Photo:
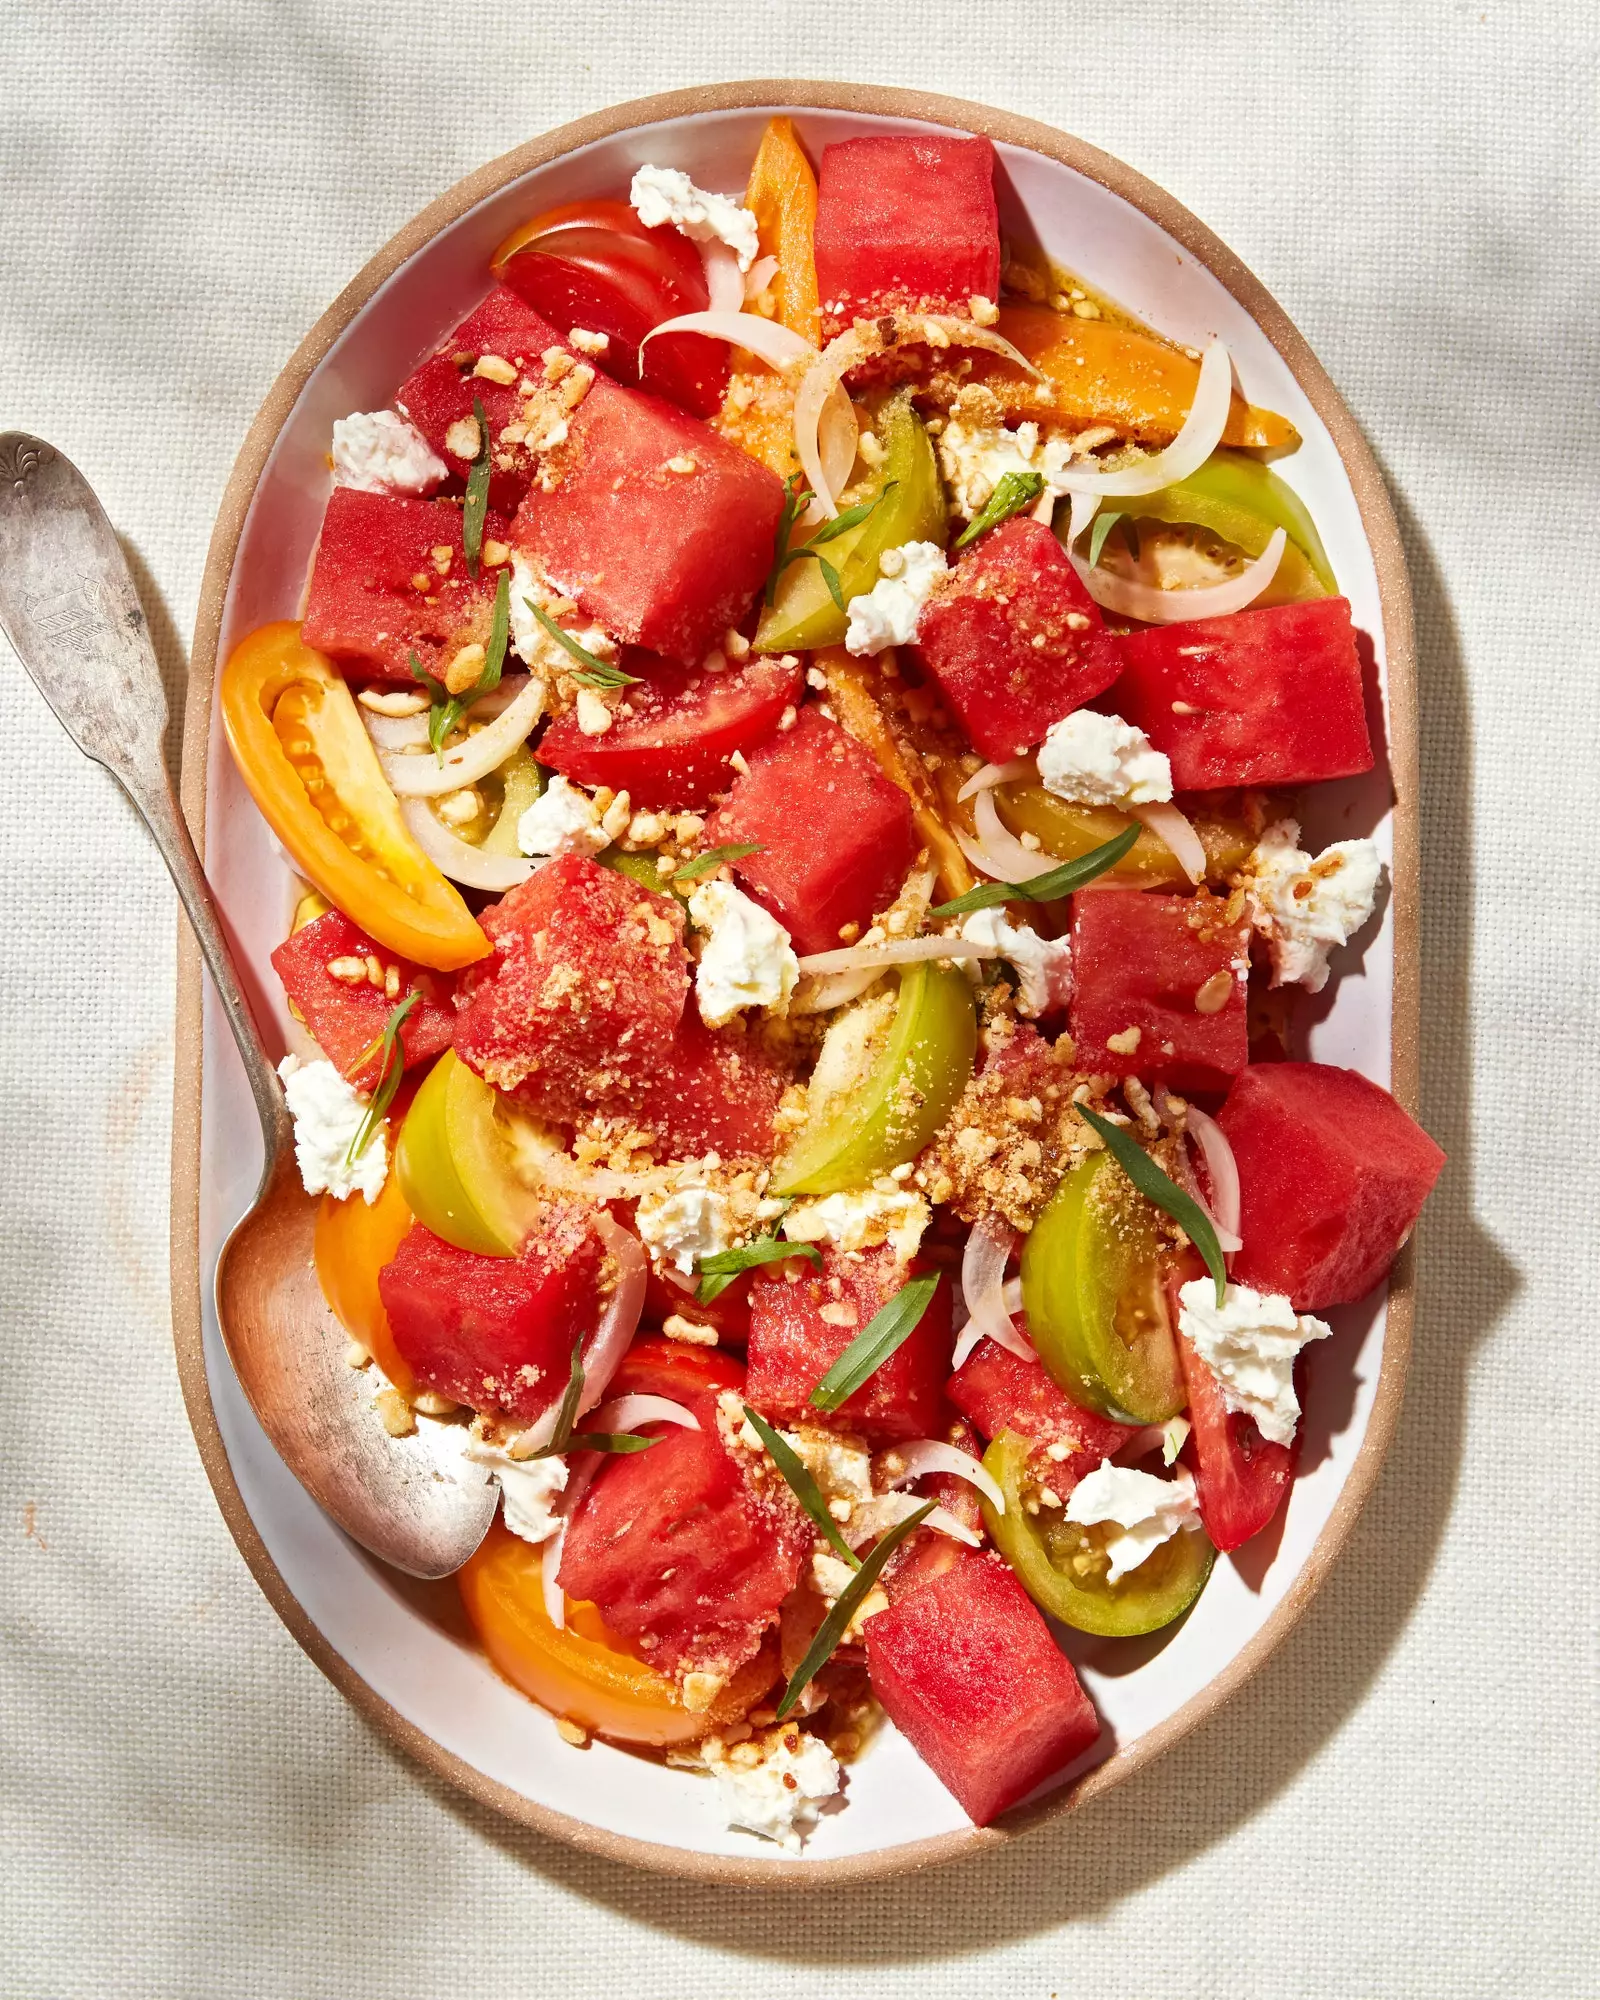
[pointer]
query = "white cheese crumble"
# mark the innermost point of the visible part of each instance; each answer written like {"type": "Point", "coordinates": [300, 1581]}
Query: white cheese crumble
{"type": "Point", "coordinates": [1043, 965]}
{"type": "Point", "coordinates": [682, 1227]}
{"type": "Point", "coordinates": [382, 452]}
{"type": "Point", "coordinates": [528, 1488]}
{"type": "Point", "coordinates": [561, 820]}
{"type": "Point", "coordinates": [860, 1218]}
{"type": "Point", "coordinates": [1149, 1511]}
{"type": "Point", "coordinates": [1249, 1343]}
{"type": "Point", "coordinates": [887, 614]}
{"type": "Point", "coordinates": [747, 959]}
{"type": "Point", "coordinates": [1100, 760]}
{"type": "Point", "coordinates": [531, 643]}
{"type": "Point", "coordinates": [327, 1115]}
{"type": "Point", "coordinates": [1303, 908]}
{"type": "Point", "coordinates": [974, 459]}
{"type": "Point", "coordinates": [773, 1784]}
{"type": "Point", "coordinates": [667, 195]}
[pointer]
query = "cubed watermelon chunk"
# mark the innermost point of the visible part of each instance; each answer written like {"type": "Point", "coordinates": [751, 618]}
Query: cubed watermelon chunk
{"type": "Point", "coordinates": [716, 1090]}
{"type": "Point", "coordinates": [1332, 1177]}
{"type": "Point", "coordinates": [669, 749]}
{"type": "Point", "coordinates": [836, 836]}
{"type": "Point", "coordinates": [379, 593]}
{"type": "Point", "coordinates": [1267, 697]}
{"type": "Point", "coordinates": [1157, 964]}
{"type": "Point", "coordinates": [660, 530]}
{"type": "Point", "coordinates": [905, 223]}
{"type": "Point", "coordinates": [792, 1346]}
{"type": "Point", "coordinates": [578, 1008]}
{"type": "Point", "coordinates": [1015, 641]}
{"type": "Point", "coordinates": [496, 1333]}
{"type": "Point", "coordinates": [1240, 1476]}
{"type": "Point", "coordinates": [999, 1392]}
{"type": "Point", "coordinates": [967, 1670]}
{"type": "Point", "coordinates": [347, 1020]}
{"type": "Point", "coordinates": [686, 1549]}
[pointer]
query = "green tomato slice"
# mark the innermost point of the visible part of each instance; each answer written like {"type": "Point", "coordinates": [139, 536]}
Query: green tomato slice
{"type": "Point", "coordinates": [887, 1077]}
{"type": "Point", "coordinates": [1063, 1566]}
{"type": "Point", "coordinates": [1066, 831]}
{"type": "Point", "coordinates": [643, 868]}
{"type": "Point", "coordinates": [1242, 501]}
{"type": "Point", "coordinates": [803, 615]}
{"type": "Point", "coordinates": [1093, 1291]}
{"type": "Point", "coordinates": [521, 782]}
{"type": "Point", "coordinates": [454, 1162]}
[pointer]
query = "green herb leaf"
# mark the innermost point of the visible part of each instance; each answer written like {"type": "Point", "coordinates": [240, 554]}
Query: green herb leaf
{"type": "Point", "coordinates": [1103, 524]}
{"type": "Point", "coordinates": [801, 1484]}
{"type": "Point", "coordinates": [391, 1067]}
{"type": "Point", "coordinates": [876, 1341]}
{"type": "Point", "coordinates": [799, 498]}
{"type": "Point", "coordinates": [830, 575]}
{"type": "Point", "coordinates": [852, 517]}
{"type": "Point", "coordinates": [703, 864]}
{"type": "Point", "coordinates": [1013, 491]}
{"type": "Point", "coordinates": [477, 508]}
{"type": "Point", "coordinates": [1046, 888]}
{"type": "Point", "coordinates": [796, 499]}
{"type": "Point", "coordinates": [596, 673]}
{"type": "Point", "coordinates": [1156, 1186]}
{"type": "Point", "coordinates": [567, 1415]}
{"type": "Point", "coordinates": [449, 708]}
{"type": "Point", "coordinates": [619, 1442]}
{"type": "Point", "coordinates": [499, 633]}
{"type": "Point", "coordinates": [837, 1623]}
{"type": "Point", "coordinates": [718, 1272]}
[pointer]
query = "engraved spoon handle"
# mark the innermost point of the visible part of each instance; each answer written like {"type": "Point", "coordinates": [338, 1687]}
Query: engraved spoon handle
{"type": "Point", "coordinates": [69, 608]}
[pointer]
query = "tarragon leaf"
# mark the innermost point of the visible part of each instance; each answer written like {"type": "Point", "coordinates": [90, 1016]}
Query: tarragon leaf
{"type": "Point", "coordinates": [391, 1067]}
{"type": "Point", "coordinates": [1165, 1192]}
{"type": "Point", "coordinates": [801, 1484]}
{"type": "Point", "coordinates": [718, 1271]}
{"type": "Point", "coordinates": [477, 508]}
{"type": "Point", "coordinates": [590, 671]}
{"type": "Point", "coordinates": [1013, 491]}
{"type": "Point", "coordinates": [837, 1623]}
{"type": "Point", "coordinates": [1103, 524]}
{"type": "Point", "coordinates": [713, 858]}
{"type": "Point", "coordinates": [876, 1341]}
{"type": "Point", "coordinates": [1046, 888]}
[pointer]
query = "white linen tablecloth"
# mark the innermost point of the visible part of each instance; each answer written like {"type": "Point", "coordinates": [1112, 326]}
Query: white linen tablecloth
{"type": "Point", "coordinates": [1404, 1801]}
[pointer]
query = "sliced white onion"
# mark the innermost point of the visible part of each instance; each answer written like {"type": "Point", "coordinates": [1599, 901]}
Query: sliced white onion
{"type": "Point", "coordinates": [1223, 1170]}
{"type": "Point", "coordinates": [838, 436]}
{"type": "Point", "coordinates": [983, 1273]}
{"type": "Point", "coordinates": [1084, 508]}
{"type": "Point", "coordinates": [724, 279]}
{"type": "Point", "coordinates": [1196, 441]}
{"type": "Point", "coordinates": [1152, 1437]}
{"type": "Point", "coordinates": [1011, 1295]}
{"type": "Point", "coordinates": [473, 757]}
{"type": "Point", "coordinates": [995, 774]}
{"type": "Point", "coordinates": [924, 1455]}
{"type": "Point", "coordinates": [760, 274]}
{"type": "Point", "coordinates": [399, 732]}
{"type": "Point", "coordinates": [1129, 598]}
{"type": "Point", "coordinates": [778, 345]}
{"type": "Point", "coordinates": [899, 951]}
{"type": "Point", "coordinates": [1169, 825]}
{"type": "Point", "coordinates": [943, 1522]}
{"type": "Point", "coordinates": [612, 1337]}
{"type": "Point", "coordinates": [821, 994]}
{"type": "Point", "coordinates": [827, 372]}
{"type": "Point", "coordinates": [580, 1475]}
{"type": "Point", "coordinates": [997, 850]}
{"type": "Point", "coordinates": [458, 858]}
{"type": "Point", "coordinates": [627, 1413]}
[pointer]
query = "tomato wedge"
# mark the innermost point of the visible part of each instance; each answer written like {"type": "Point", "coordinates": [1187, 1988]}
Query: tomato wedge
{"type": "Point", "coordinates": [1241, 1476]}
{"type": "Point", "coordinates": [309, 764]}
{"type": "Point", "coordinates": [351, 1245]}
{"type": "Point", "coordinates": [658, 1367]}
{"type": "Point", "coordinates": [593, 264]}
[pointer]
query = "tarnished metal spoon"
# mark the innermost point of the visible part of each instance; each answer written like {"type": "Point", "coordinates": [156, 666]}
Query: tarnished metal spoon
{"type": "Point", "coordinates": [68, 606]}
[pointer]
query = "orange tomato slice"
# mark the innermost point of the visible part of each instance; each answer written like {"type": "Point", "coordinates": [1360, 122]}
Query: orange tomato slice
{"type": "Point", "coordinates": [351, 1244]}
{"type": "Point", "coordinates": [782, 196]}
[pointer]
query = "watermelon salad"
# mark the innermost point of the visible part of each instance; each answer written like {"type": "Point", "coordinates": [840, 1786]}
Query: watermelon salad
{"type": "Point", "coordinates": [793, 752]}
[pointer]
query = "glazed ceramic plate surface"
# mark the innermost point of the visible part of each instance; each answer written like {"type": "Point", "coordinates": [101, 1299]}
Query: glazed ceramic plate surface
{"type": "Point", "coordinates": [393, 1646]}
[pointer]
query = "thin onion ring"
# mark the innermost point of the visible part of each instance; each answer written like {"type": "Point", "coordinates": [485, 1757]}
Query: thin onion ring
{"type": "Point", "coordinates": [926, 1455]}
{"type": "Point", "coordinates": [627, 1413]}
{"type": "Point", "coordinates": [724, 279]}
{"type": "Point", "coordinates": [899, 951]}
{"type": "Point", "coordinates": [983, 1271]}
{"type": "Point", "coordinates": [778, 345]}
{"type": "Point", "coordinates": [997, 849]}
{"type": "Point", "coordinates": [1174, 829]}
{"type": "Point", "coordinates": [1198, 438]}
{"type": "Point", "coordinates": [458, 858]}
{"type": "Point", "coordinates": [995, 774]}
{"type": "Point", "coordinates": [579, 1478]}
{"type": "Point", "coordinates": [473, 757]}
{"type": "Point", "coordinates": [611, 1339]}
{"type": "Point", "coordinates": [399, 732]}
{"type": "Point", "coordinates": [1129, 598]}
{"type": "Point", "coordinates": [1223, 1170]}
{"type": "Point", "coordinates": [760, 274]}
{"type": "Point", "coordinates": [825, 991]}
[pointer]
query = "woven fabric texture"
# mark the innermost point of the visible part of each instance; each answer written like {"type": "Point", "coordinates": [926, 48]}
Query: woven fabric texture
{"type": "Point", "coordinates": [1403, 1802]}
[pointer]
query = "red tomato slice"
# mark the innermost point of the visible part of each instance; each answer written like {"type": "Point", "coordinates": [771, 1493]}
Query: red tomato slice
{"type": "Point", "coordinates": [657, 1367]}
{"type": "Point", "coordinates": [595, 265]}
{"type": "Point", "coordinates": [1242, 1476]}
{"type": "Point", "coordinates": [728, 1312]}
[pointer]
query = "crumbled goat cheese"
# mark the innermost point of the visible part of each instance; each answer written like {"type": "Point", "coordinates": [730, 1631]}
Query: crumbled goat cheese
{"type": "Point", "coordinates": [1303, 908]}
{"type": "Point", "coordinates": [887, 614]}
{"type": "Point", "coordinates": [666, 195]}
{"type": "Point", "coordinates": [747, 959]}
{"type": "Point", "coordinates": [1043, 965]}
{"type": "Point", "coordinates": [683, 1227]}
{"type": "Point", "coordinates": [860, 1218]}
{"type": "Point", "coordinates": [773, 1784]}
{"type": "Point", "coordinates": [1100, 760]}
{"type": "Point", "coordinates": [327, 1115]}
{"type": "Point", "coordinates": [531, 643]}
{"type": "Point", "coordinates": [1149, 1511]}
{"type": "Point", "coordinates": [1249, 1343]}
{"type": "Point", "coordinates": [561, 820]}
{"type": "Point", "coordinates": [528, 1488]}
{"type": "Point", "coordinates": [383, 453]}
{"type": "Point", "coordinates": [974, 459]}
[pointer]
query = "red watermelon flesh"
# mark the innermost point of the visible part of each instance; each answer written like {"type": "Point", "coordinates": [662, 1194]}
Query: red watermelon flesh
{"type": "Point", "coordinates": [669, 747]}
{"type": "Point", "coordinates": [1141, 961]}
{"type": "Point", "coordinates": [1015, 641]}
{"type": "Point", "coordinates": [792, 1346]}
{"type": "Point", "coordinates": [715, 1090]}
{"type": "Point", "coordinates": [577, 1010]}
{"type": "Point", "coordinates": [966, 1669]}
{"type": "Point", "coordinates": [496, 1333]}
{"type": "Point", "coordinates": [836, 836]}
{"type": "Point", "coordinates": [348, 1020]}
{"type": "Point", "coordinates": [687, 1550]}
{"type": "Point", "coordinates": [1267, 697]}
{"type": "Point", "coordinates": [999, 1392]}
{"type": "Point", "coordinates": [905, 223]}
{"type": "Point", "coordinates": [379, 593]}
{"type": "Point", "coordinates": [1332, 1176]}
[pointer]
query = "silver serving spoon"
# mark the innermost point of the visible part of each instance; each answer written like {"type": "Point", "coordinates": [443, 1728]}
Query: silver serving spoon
{"type": "Point", "coordinates": [68, 606]}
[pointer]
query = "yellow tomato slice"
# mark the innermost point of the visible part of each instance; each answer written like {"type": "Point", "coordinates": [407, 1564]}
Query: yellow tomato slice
{"type": "Point", "coordinates": [351, 1245]}
{"type": "Point", "coordinates": [299, 743]}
